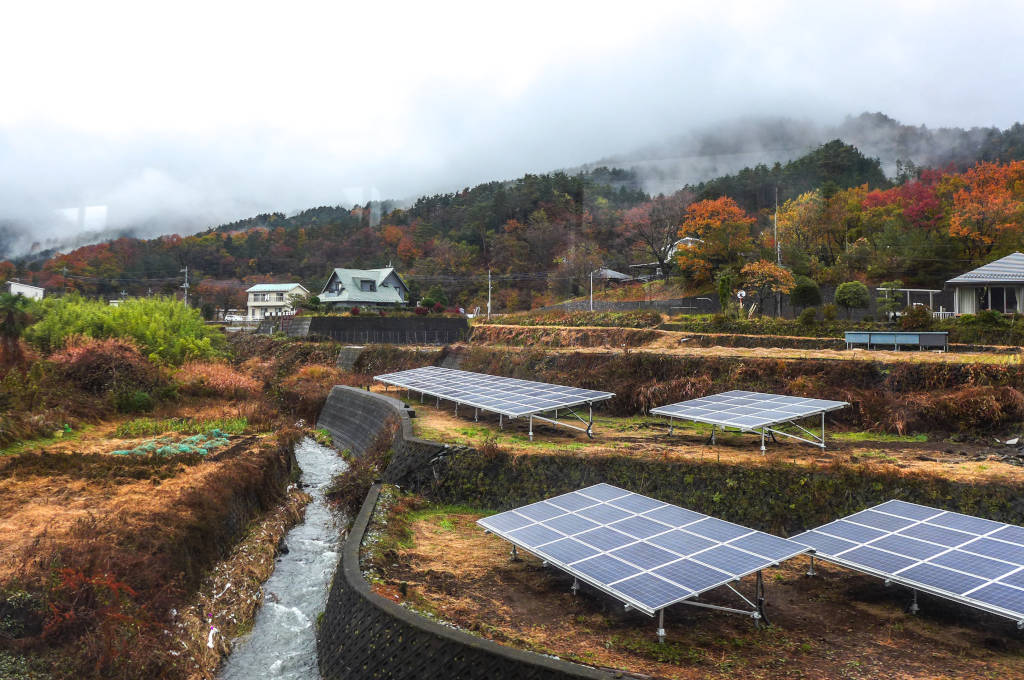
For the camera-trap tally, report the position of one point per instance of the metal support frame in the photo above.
(589, 422)
(661, 626)
(815, 439)
(913, 609)
(812, 438)
(515, 554)
(810, 571)
(756, 610)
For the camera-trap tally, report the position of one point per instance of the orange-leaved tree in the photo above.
(988, 211)
(725, 231)
(767, 278)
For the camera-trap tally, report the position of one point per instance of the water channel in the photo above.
(282, 643)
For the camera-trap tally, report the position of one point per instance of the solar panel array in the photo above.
(975, 561)
(509, 396)
(747, 410)
(647, 553)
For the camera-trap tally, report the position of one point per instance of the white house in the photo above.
(997, 285)
(376, 287)
(272, 299)
(33, 292)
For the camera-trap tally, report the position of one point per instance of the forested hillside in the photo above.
(840, 219)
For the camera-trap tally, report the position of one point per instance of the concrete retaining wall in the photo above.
(363, 635)
(411, 330)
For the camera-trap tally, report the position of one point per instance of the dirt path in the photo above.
(675, 343)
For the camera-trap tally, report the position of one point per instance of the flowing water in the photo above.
(282, 643)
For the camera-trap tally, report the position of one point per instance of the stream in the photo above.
(282, 643)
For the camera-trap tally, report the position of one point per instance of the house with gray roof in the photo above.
(272, 299)
(364, 287)
(997, 285)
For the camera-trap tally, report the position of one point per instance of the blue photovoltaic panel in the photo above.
(851, 532)
(509, 396)
(971, 560)
(674, 515)
(605, 538)
(1015, 578)
(603, 514)
(651, 590)
(569, 550)
(747, 410)
(824, 543)
(880, 520)
(681, 542)
(571, 501)
(639, 527)
(717, 529)
(647, 553)
(636, 503)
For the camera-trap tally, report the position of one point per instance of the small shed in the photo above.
(998, 286)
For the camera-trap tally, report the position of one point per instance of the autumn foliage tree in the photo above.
(988, 210)
(725, 231)
(767, 278)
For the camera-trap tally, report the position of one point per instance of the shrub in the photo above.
(437, 308)
(808, 317)
(354, 311)
(852, 295)
(304, 393)
(109, 365)
(628, 319)
(421, 311)
(133, 401)
(806, 293)
(828, 312)
(916, 319)
(215, 379)
(164, 329)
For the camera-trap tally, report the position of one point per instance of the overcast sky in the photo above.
(192, 113)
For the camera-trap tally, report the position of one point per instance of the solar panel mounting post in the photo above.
(661, 626)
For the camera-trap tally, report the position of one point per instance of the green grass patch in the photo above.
(877, 437)
(474, 434)
(147, 427)
(67, 434)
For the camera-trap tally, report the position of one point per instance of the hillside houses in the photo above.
(364, 287)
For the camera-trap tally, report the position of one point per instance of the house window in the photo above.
(280, 297)
(367, 286)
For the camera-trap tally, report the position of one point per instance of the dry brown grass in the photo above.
(840, 625)
(216, 379)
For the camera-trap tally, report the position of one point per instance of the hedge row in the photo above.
(781, 498)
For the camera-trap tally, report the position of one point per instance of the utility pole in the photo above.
(185, 285)
(64, 278)
(488, 294)
(778, 246)
(778, 251)
(591, 290)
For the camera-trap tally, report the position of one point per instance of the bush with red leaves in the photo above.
(99, 366)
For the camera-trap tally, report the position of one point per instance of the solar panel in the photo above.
(510, 397)
(747, 410)
(750, 411)
(966, 559)
(647, 553)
